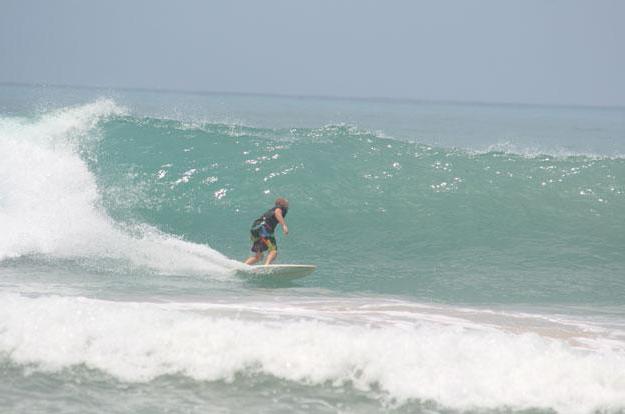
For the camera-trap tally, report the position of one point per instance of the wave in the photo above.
(459, 358)
(537, 152)
(330, 132)
(97, 183)
(50, 203)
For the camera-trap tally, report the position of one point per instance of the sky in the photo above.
(527, 51)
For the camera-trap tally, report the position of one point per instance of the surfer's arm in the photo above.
(280, 217)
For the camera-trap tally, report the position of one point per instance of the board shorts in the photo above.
(263, 241)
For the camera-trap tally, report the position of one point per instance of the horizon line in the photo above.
(312, 96)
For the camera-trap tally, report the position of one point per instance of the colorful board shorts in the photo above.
(264, 241)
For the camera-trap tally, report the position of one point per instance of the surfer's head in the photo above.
(282, 202)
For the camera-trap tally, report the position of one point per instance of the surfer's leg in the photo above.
(272, 247)
(253, 259)
(258, 247)
(271, 256)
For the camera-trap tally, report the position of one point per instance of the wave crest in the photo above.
(50, 203)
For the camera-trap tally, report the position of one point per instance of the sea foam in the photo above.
(50, 204)
(392, 353)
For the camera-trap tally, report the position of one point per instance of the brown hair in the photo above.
(282, 202)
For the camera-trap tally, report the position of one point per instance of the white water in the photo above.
(460, 358)
(50, 208)
(49, 200)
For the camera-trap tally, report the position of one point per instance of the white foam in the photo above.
(532, 152)
(49, 200)
(457, 364)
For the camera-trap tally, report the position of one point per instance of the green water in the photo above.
(470, 258)
(377, 214)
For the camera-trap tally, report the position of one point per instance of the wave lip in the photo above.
(530, 152)
(50, 203)
(458, 365)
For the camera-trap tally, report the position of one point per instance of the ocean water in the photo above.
(471, 257)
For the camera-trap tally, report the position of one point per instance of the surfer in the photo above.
(262, 232)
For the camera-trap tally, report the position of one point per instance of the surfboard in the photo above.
(278, 271)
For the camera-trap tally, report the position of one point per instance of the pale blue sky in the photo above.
(549, 51)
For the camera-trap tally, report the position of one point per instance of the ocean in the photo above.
(470, 257)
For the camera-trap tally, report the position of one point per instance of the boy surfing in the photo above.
(262, 232)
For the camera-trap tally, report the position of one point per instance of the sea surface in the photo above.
(471, 257)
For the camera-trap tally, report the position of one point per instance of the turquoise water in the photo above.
(470, 257)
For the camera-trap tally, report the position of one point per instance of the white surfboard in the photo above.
(278, 271)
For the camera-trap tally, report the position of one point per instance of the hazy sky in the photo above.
(548, 51)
